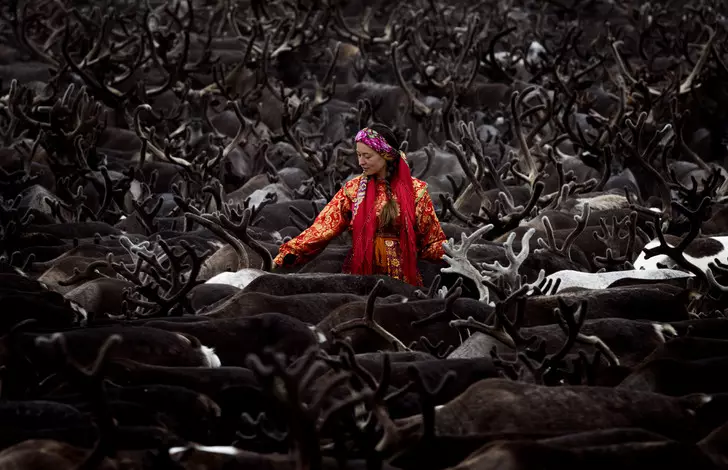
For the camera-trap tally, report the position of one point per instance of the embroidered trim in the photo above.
(360, 193)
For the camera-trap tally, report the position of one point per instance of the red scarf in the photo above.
(366, 223)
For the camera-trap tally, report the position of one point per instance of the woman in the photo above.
(389, 213)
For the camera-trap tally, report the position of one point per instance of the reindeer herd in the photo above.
(155, 155)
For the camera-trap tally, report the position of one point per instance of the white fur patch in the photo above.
(361, 416)
(584, 280)
(319, 335)
(135, 188)
(706, 399)
(533, 56)
(81, 311)
(603, 202)
(222, 450)
(211, 359)
(216, 244)
(662, 328)
(642, 263)
(239, 279)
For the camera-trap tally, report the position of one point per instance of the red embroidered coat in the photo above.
(336, 217)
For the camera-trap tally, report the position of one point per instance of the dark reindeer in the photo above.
(154, 156)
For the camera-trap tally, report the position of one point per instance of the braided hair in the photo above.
(390, 211)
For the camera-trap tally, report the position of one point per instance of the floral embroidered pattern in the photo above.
(360, 193)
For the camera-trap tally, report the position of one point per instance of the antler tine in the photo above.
(368, 321)
(676, 253)
(433, 349)
(584, 339)
(241, 229)
(259, 423)
(255, 363)
(473, 178)
(570, 320)
(510, 273)
(632, 234)
(687, 85)
(144, 137)
(512, 327)
(449, 205)
(332, 382)
(240, 135)
(436, 281)
(391, 435)
(59, 341)
(458, 283)
(419, 107)
(607, 231)
(711, 277)
(304, 368)
(581, 223)
(348, 356)
(442, 314)
(516, 99)
(380, 392)
(180, 296)
(434, 285)
(369, 315)
(498, 333)
(459, 263)
(103, 352)
(428, 397)
(215, 228)
(86, 274)
(565, 249)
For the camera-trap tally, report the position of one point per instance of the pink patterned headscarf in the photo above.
(373, 139)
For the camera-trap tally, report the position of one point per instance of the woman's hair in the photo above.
(390, 209)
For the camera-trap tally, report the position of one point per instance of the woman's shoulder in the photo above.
(420, 188)
(351, 187)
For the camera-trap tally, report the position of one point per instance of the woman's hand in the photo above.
(289, 259)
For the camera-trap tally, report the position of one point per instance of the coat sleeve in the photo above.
(330, 222)
(430, 234)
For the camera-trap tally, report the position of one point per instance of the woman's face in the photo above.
(371, 161)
